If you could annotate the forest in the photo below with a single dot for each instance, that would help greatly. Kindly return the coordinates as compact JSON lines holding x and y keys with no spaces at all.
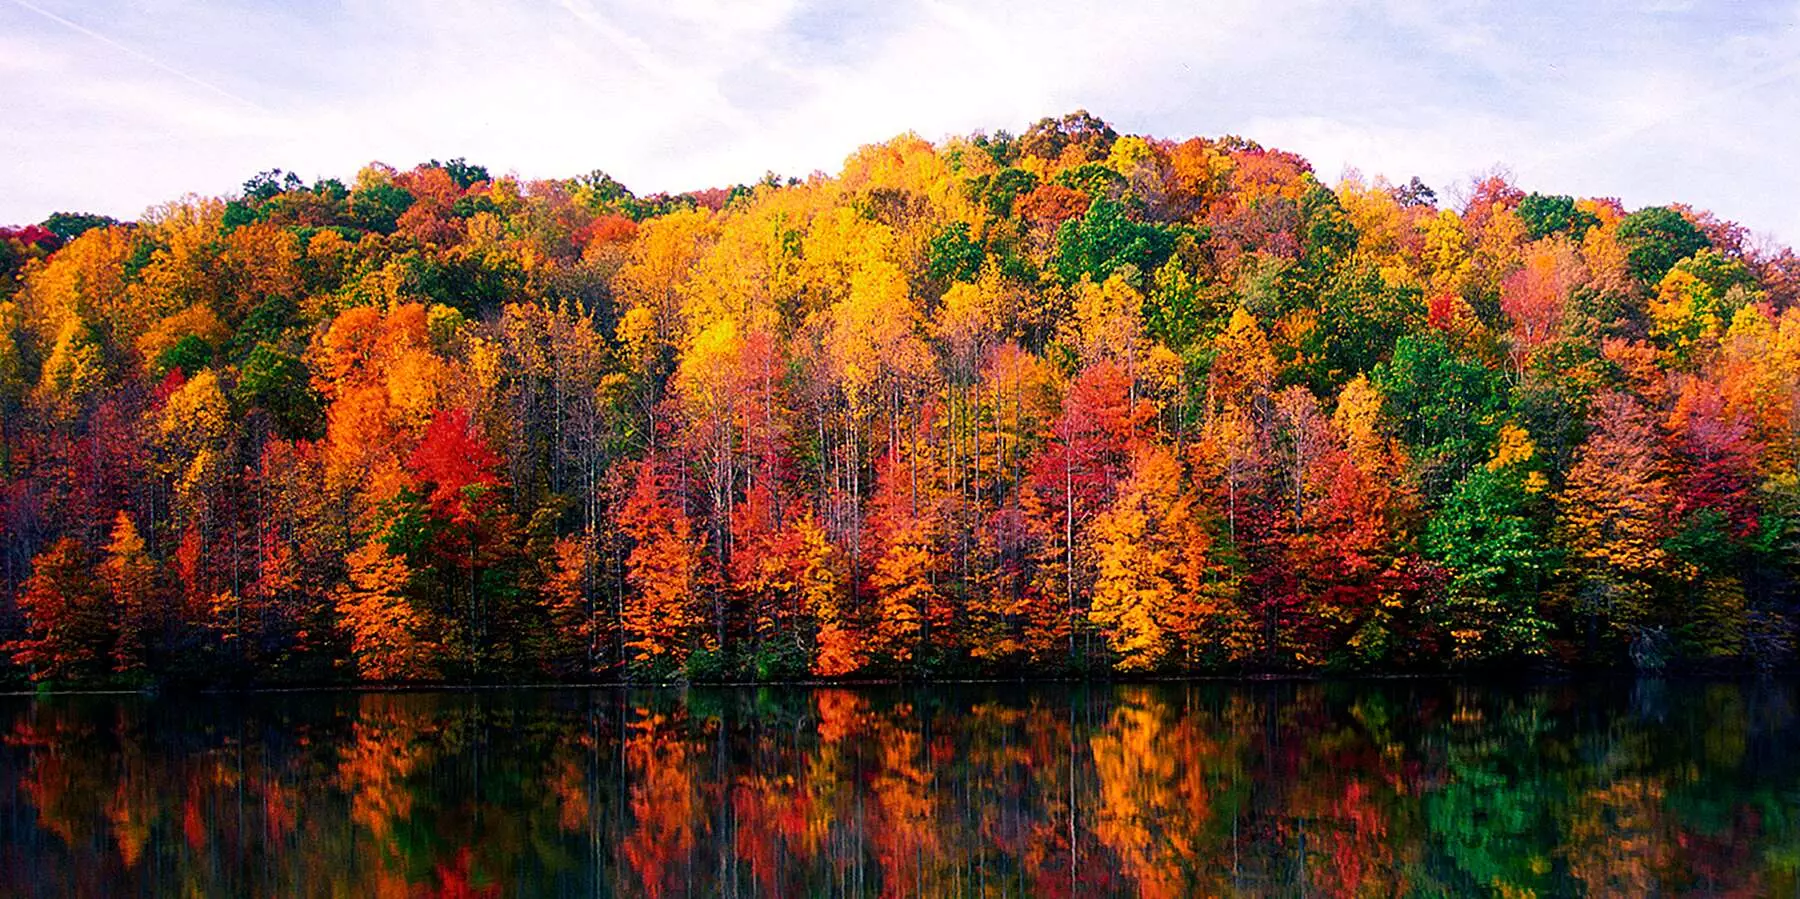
{"x":1068,"y":403}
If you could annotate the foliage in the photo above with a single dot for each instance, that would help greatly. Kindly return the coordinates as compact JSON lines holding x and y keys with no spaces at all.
{"x":1065,"y":403}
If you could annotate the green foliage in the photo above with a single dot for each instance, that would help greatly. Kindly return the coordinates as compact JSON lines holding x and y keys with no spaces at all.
{"x":273,"y":321}
{"x":1655,"y":239}
{"x":190,"y":354}
{"x":378,"y":207}
{"x":1445,"y":406}
{"x":599,"y":192}
{"x":281,"y":384}
{"x":1001,"y":147}
{"x":470,"y":206}
{"x":1547,"y":214}
{"x":1327,"y":235}
{"x":1099,"y":181}
{"x":1720,"y":274}
{"x":462,"y":172}
{"x":1105,"y":240}
{"x":999,"y":191}
{"x":1491,"y":536}
{"x":1359,"y":319}
{"x":704,"y":666}
{"x":1415,"y":193}
{"x":953,"y":255}
{"x":69,"y":225}
{"x":1177,"y":309}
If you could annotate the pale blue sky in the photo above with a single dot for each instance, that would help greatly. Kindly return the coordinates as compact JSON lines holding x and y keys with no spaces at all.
{"x":111,"y":106}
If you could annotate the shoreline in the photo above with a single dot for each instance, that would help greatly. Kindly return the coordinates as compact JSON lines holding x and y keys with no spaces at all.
{"x":1484,"y":679}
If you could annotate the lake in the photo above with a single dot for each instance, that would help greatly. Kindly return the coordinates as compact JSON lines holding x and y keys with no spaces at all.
{"x":1285,"y":788}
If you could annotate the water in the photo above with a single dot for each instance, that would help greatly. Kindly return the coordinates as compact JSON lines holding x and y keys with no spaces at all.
{"x":1367,"y":789}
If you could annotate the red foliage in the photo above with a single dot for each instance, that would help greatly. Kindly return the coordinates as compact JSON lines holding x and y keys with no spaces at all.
{"x":456,"y":464}
{"x":604,"y":230}
{"x":1053,"y":204}
{"x":1717,"y":455}
{"x":1090,"y":445}
{"x":31,"y":235}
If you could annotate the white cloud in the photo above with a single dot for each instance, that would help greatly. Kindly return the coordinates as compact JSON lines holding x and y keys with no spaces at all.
{"x":131,"y":104}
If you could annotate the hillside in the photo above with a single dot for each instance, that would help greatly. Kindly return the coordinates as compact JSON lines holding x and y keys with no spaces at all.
{"x":1066,"y":402}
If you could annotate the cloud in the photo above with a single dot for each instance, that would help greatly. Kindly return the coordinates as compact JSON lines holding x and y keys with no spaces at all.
{"x":126,"y":104}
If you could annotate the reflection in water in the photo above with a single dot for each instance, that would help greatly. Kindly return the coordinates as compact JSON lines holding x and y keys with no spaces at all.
{"x":1163,"y":790}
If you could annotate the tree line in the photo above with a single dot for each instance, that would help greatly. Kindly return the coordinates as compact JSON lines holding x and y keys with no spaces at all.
{"x":1067,"y":402}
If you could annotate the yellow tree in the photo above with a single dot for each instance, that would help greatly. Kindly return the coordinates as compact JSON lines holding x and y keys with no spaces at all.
{"x":1157,"y":587}
{"x":1136,"y":560}
{"x":85,"y":281}
{"x":74,"y":373}
{"x":1244,"y":365}
{"x":662,"y":257}
{"x":195,"y":431}
{"x":130,"y":574}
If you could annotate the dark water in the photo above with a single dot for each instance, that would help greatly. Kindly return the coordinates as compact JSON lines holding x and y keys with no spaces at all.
{"x":1427,"y":788}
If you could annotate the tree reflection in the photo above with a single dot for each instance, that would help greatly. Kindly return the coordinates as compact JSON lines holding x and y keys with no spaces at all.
{"x":1148,"y":790}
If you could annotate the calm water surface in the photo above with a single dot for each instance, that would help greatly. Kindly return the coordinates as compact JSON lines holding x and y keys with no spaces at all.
{"x":1423,"y":788}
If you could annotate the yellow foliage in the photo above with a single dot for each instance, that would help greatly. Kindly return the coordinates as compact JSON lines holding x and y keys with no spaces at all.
{"x":415,"y":385}
{"x":194,"y":321}
{"x":967,"y":318}
{"x":1155,"y":586}
{"x":185,"y":268}
{"x":12,"y":365}
{"x":1243,"y":365}
{"x":1108,"y":323}
{"x":1606,"y":259}
{"x":75,"y":371}
{"x":1383,"y":227}
{"x":1358,"y":418}
{"x":902,"y":583}
{"x":85,"y":281}
{"x":196,"y":416}
{"x":662,"y":258}
{"x":1513,"y":447}
{"x":873,"y":333}
{"x":1446,"y":257}
{"x":1161,"y":372}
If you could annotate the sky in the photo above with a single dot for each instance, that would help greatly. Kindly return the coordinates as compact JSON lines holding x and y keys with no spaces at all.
{"x":115,"y":106}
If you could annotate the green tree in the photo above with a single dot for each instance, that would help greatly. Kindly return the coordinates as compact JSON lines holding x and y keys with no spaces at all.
{"x":953,"y":255}
{"x":1547,"y":214}
{"x":69,"y":225}
{"x":1655,"y":239}
{"x":280,"y":384}
{"x":1491,"y":535}
{"x":1104,"y":241}
{"x":1445,"y":406}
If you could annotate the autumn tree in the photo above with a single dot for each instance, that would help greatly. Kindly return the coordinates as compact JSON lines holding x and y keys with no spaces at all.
{"x":1073,"y":478}
{"x":392,"y":638}
{"x":663,"y":569}
{"x":130,"y":577}
{"x":1159,"y":590}
{"x":1614,"y":514}
{"x":68,"y":618}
